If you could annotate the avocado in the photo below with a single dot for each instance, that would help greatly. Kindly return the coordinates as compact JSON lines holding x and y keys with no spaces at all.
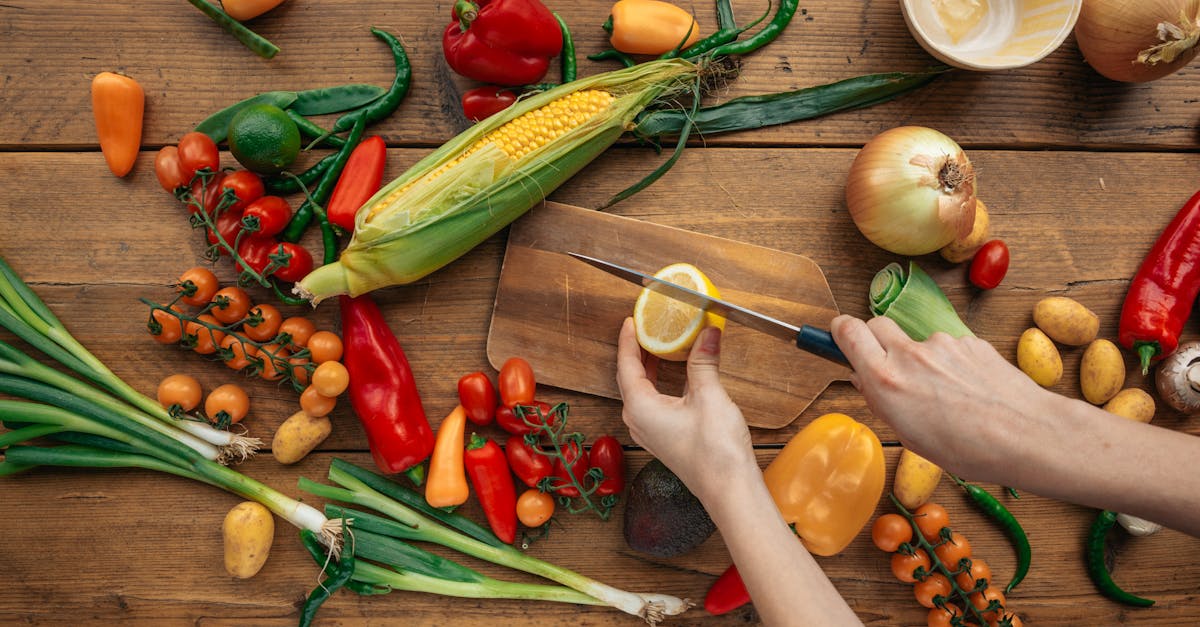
{"x":662,"y":517}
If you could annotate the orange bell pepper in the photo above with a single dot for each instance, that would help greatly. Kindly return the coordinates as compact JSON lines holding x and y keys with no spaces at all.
{"x":118,"y":103}
{"x":651,"y":27}
{"x":447,"y":483}
{"x":827,"y":481}
{"x":242,"y":10}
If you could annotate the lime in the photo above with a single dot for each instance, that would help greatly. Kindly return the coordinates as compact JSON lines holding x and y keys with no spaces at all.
{"x":264,"y":139}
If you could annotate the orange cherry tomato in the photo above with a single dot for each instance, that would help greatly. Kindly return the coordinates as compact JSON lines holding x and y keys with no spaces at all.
{"x":982,"y":599}
{"x":904,"y":565}
{"x":1013,"y":621}
{"x":206,"y":339}
{"x":273,"y":357}
{"x":316,"y":404}
{"x":263,"y":323}
{"x":230,"y":304}
{"x":166,"y":328}
{"x":181,"y":390}
{"x":943,"y":616}
{"x":299,"y":329}
{"x":324,"y":346}
{"x":331,"y":378}
{"x":300,"y":373}
{"x":534,"y":507}
{"x":930,"y":519}
{"x":240,"y":352}
{"x":953,"y":551}
{"x":932,"y":586}
{"x":890,"y":531}
{"x":198,"y":285}
{"x":979,"y":570}
{"x":227,"y":404}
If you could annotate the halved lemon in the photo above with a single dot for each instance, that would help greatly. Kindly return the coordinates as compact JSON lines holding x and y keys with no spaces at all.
{"x":667,"y":327}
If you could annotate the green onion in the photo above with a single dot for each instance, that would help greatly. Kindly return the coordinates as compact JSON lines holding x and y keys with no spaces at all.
{"x":915,"y":302}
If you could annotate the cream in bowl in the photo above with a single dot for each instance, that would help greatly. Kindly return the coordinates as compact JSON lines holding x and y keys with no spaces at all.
{"x":990,"y":34}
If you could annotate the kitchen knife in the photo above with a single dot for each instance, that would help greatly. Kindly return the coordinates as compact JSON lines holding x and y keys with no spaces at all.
{"x":812,"y":339}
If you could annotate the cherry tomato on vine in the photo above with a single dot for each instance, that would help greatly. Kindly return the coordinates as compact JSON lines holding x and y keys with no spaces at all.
{"x":263,"y":323}
{"x":201,"y":282}
{"x":572,"y":464}
{"x":943,"y":616}
{"x":207,"y":339}
{"x":483,"y":102}
{"x":331,"y":378}
{"x":953,"y":550}
{"x":230,"y":400}
{"x":316,"y":404}
{"x":478,"y":397}
{"x":527,"y":464}
{"x":889,"y":531}
{"x":300,"y":370}
{"x":179,"y":389}
{"x":246,"y":185}
{"x":239,"y":352}
{"x":206,"y":196}
{"x":169,"y":170}
{"x":1013,"y":620}
{"x":508,"y":419}
{"x":982,"y":599}
{"x":934,"y":585}
{"x":198,"y":151}
{"x":904,"y":564}
{"x":299,"y":262}
{"x":229,"y":225}
{"x":167,"y":328}
{"x":230,"y":304}
{"x":516,"y":382}
{"x":299,"y":329}
{"x":255,"y":252}
{"x":989,"y":265}
{"x":930,"y":519}
{"x":979,"y":570}
{"x":274,"y":362}
{"x":534,"y":507}
{"x":606,"y":454}
{"x":324,"y":346}
{"x":271,"y":212}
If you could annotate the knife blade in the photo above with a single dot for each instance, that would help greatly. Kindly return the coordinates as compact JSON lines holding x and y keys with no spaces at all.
{"x":814,"y":340}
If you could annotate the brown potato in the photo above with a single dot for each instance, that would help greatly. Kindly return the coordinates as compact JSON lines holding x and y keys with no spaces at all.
{"x":964,"y":248}
{"x":1066,"y":321}
{"x":249,"y":531}
{"x":915,"y":480}
{"x":298,"y":436}
{"x":1038,"y":357}
{"x":1132,"y":403}
{"x":1102,"y":372}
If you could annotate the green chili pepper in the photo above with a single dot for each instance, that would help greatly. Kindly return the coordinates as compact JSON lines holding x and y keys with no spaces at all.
{"x":252,"y":40}
{"x":387,"y":103}
{"x":216,"y":125}
{"x":613,"y":53}
{"x":282,"y":186}
{"x":304,"y":214}
{"x":727,"y":31}
{"x":568,"y":51}
{"x":308,"y":128}
{"x":1098,"y":571}
{"x":787,"y":9}
{"x":337,"y":578}
{"x":336,"y":99}
{"x":1016,"y":534}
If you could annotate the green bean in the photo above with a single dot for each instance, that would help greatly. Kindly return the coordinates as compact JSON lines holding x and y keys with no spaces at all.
{"x":282,"y":186}
{"x":787,"y":9}
{"x":613,"y":53}
{"x":308,"y":128}
{"x":305,"y":213}
{"x":1098,"y":571}
{"x":336,"y":99}
{"x":216,"y":125}
{"x":568,"y":51}
{"x":1016,"y":534}
{"x":252,"y":40}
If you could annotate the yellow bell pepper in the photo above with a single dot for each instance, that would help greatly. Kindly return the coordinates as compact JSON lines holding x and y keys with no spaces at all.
{"x":651,"y":27}
{"x":827,"y":481}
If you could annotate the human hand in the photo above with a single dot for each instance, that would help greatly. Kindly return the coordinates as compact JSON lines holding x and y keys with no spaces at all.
{"x":701,"y":436}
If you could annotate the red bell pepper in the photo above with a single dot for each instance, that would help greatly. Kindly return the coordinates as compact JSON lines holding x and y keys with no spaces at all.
{"x":359,"y":180}
{"x":382,"y":390}
{"x":529,"y":465}
{"x":490,"y":476}
{"x":1161,"y":295}
{"x":484,"y":102}
{"x":727,"y":593}
{"x":503,"y":42}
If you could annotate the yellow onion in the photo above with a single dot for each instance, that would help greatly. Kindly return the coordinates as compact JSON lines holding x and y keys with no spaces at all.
{"x":911,"y":191}
{"x":1138,"y":41}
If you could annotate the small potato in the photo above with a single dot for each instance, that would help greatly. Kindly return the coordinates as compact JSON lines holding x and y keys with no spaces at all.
{"x":1066,"y":321}
{"x":1038,"y":357}
{"x":298,"y":436}
{"x":1132,"y":403}
{"x":249,"y":530}
{"x":1102,"y":372}
{"x":916,"y":479}
{"x":962,"y":249}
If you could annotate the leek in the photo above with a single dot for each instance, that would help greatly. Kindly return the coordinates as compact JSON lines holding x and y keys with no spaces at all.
{"x":915,"y":302}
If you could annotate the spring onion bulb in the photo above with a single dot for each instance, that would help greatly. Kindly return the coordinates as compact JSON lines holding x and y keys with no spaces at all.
{"x":1138,"y":41}
{"x":911,"y":191}
{"x":915,"y":302}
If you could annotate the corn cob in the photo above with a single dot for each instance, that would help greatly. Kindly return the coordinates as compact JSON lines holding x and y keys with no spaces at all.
{"x":488,"y":176}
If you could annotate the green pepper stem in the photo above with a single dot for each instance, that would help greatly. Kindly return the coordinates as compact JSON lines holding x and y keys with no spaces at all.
{"x":467,"y":11}
{"x":1147,"y":351}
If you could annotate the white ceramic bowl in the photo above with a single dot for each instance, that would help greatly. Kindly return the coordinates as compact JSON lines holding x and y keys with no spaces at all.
{"x":1010,"y":33}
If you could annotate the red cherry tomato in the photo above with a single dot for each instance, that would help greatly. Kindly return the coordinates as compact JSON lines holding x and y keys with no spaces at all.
{"x":198,"y":151}
{"x":606,"y":454}
{"x":483,"y":102}
{"x":271,"y":212}
{"x":229,"y":224}
{"x":508,"y":420}
{"x":478,"y":397}
{"x":246,"y":185}
{"x":529,"y":465}
{"x":255,"y":252}
{"x":516,"y":382}
{"x":168,"y":169}
{"x":299,"y":263}
{"x":989,"y":265}
{"x":207,"y":196}
{"x":574,"y":466}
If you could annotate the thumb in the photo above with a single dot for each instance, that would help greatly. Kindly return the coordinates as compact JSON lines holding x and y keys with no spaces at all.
{"x":705,"y":359}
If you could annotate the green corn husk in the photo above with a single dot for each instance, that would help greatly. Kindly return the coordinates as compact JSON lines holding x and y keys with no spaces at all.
{"x":915,"y":302}
{"x":434,"y":222}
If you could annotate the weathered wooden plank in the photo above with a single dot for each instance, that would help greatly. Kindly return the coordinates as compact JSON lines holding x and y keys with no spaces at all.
{"x":189,"y":68}
{"x":107,"y":546}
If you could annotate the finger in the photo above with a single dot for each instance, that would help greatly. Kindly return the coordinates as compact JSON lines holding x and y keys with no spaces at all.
{"x":889,"y":334}
{"x":703,"y":364}
{"x":650,"y":363}
{"x":631,"y":374}
{"x":858,"y":343}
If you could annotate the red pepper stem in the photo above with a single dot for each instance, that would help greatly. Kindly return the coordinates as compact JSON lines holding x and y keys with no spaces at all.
{"x":466,"y":11}
{"x":1146,"y":352}
{"x":477,"y":441}
{"x":416,"y":474}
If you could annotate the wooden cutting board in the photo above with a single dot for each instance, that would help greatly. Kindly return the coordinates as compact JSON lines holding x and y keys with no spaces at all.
{"x":563,"y":315}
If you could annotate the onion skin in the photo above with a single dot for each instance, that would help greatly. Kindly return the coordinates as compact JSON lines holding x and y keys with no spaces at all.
{"x":1113,"y":33}
{"x":911,"y":191}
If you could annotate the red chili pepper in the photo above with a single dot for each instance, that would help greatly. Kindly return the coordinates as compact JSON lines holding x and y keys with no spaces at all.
{"x":727,"y":593}
{"x":1161,"y":295}
{"x":606,"y":454}
{"x":360,"y":179}
{"x":504,"y":42}
{"x":572,"y":454}
{"x":478,"y":397}
{"x":508,"y":419}
{"x":493,"y":485}
{"x":383,"y":391}
{"x":484,"y":102}
{"x":529,"y":465}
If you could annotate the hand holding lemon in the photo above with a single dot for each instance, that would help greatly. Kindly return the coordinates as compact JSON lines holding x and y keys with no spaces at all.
{"x":666,"y":327}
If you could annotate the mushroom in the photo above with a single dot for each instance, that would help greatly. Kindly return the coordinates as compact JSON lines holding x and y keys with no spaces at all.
{"x":1178,"y":379}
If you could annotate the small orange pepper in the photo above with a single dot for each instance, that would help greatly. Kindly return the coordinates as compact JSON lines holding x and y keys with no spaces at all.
{"x":447,"y":482}
{"x":242,"y":10}
{"x":651,"y":27}
{"x":118,"y":103}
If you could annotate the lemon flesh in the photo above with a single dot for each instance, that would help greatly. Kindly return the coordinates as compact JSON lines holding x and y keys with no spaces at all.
{"x":666,"y":327}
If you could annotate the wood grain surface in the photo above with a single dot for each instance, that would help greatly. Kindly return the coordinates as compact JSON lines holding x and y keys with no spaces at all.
{"x":1080,"y":174}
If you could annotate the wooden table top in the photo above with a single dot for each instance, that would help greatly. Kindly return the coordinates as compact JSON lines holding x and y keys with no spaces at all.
{"x":1080,"y":175}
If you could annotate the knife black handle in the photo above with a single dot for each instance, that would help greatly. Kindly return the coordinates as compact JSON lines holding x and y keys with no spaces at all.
{"x":820,"y":343}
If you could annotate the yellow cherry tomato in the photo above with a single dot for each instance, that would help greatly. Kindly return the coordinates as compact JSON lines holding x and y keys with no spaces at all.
{"x":228,"y":403}
{"x":181,"y":390}
{"x":331,"y":378}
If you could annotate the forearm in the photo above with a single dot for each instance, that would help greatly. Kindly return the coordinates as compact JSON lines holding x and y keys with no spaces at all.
{"x":787,"y":585}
